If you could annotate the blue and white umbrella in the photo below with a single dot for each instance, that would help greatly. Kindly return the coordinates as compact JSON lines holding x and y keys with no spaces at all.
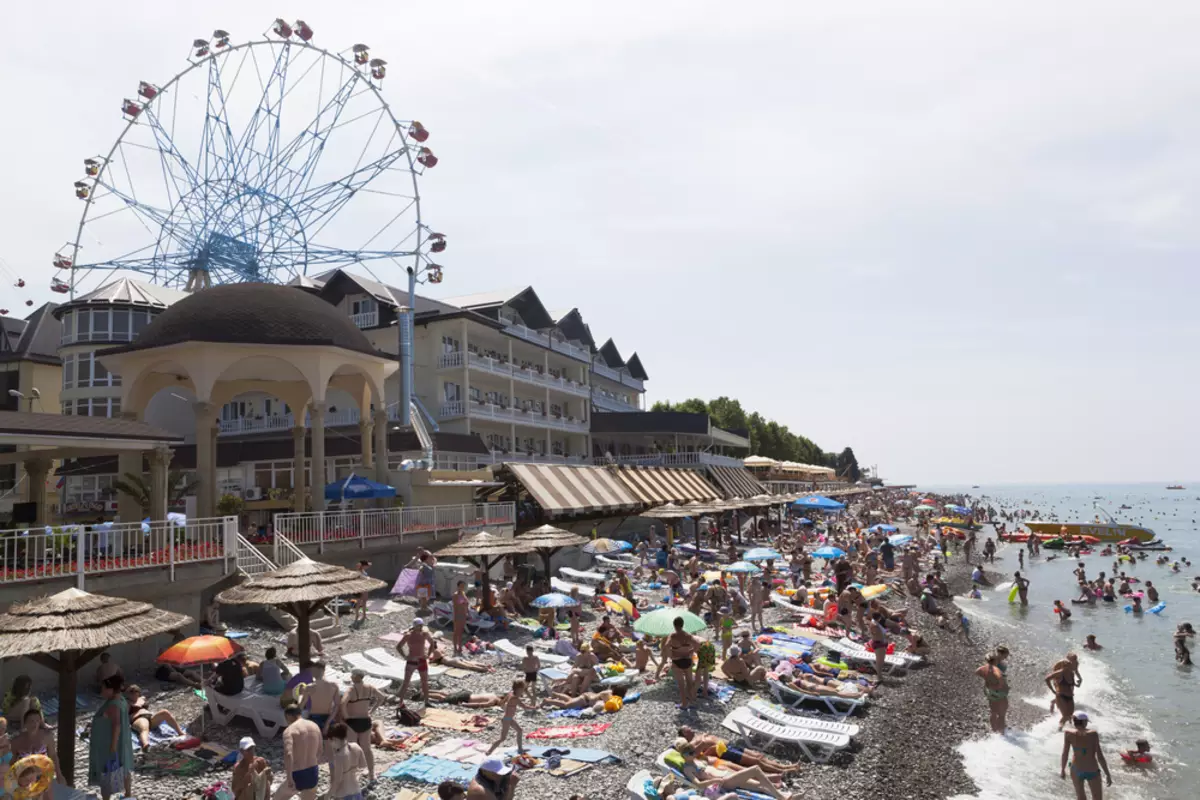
{"x":881,"y":528}
{"x":607,"y":546}
{"x":829,"y":552}
{"x":805,"y":521}
{"x":818,"y":502}
{"x":742,"y":567}
{"x":555,"y":600}
{"x":959,"y":509}
{"x":761,"y":554}
{"x":899,"y":539}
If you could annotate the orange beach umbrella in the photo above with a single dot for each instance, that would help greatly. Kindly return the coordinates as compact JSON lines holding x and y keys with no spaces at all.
{"x":196,"y":651}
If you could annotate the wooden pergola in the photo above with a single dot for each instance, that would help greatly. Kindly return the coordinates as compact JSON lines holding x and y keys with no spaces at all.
{"x":485,"y":550}
{"x":64,"y":631}
{"x":300,"y":589}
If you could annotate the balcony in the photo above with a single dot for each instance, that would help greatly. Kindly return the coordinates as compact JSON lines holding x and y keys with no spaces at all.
{"x":600,"y":368}
{"x":607,"y":403}
{"x":506,"y":369}
{"x":536,"y":458}
{"x":320,"y":529}
{"x":695,"y":459}
{"x":633,"y":383}
{"x":528,"y":334}
{"x":509,"y":415}
{"x":285,"y":422}
{"x":367,"y":319}
{"x":574,"y":351}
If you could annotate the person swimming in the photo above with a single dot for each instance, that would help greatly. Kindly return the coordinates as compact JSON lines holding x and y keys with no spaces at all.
{"x":1091,"y":643}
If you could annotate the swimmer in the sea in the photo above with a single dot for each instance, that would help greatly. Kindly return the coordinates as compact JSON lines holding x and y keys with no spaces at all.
{"x":1091,"y":643}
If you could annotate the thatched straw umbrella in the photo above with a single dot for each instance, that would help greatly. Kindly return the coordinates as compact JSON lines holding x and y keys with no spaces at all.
{"x":77,"y":627}
{"x":484,"y":550}
{"x":549,"y":540}
{"x":300,"y":589}
{"x":666,"y":512}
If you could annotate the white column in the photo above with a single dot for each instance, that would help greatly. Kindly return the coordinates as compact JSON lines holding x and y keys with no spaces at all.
{"x":317,"y":494}
{"x":298,"y":456}
{"x":36,"y":471}
{"x":206,"y":457}
{"x":381,"y":446}
{"x":160,"y":462}
{"x":365,"y":439}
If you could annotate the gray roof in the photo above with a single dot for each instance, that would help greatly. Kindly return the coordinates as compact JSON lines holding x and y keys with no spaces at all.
{"x":126,"y":291}
{"x":39,"y":337}
{"x":484,"y":299}
{"x":37,"y":424}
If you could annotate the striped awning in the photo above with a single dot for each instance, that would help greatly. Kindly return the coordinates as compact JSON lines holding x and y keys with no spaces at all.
{"x":735,"y":482}
{"x":658,"y":485}
{"x":563,"y":490}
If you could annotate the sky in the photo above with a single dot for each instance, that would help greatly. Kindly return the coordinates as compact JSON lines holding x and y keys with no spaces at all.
{"x":958,"y":237}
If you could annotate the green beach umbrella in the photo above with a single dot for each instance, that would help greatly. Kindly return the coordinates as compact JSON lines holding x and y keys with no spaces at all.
{"x":662,"y":622}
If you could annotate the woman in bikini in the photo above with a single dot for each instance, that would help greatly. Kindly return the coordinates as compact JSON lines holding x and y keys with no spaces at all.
{"x":701,"y":776}
{"x":509,"y":721}
{"x":1087,"y":760}
{"x":1062,"y":681}
{"x":679,"y":648}
{"x":585,"y":700}
{"x":143,"y":720}
{"x":35,"y":739}
{"x":357,"y":705}
{"x":879,"y":642}
{"x":995,"y":689}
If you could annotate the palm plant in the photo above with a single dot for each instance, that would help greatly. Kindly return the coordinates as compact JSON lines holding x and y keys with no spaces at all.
{"x":179,"y":486}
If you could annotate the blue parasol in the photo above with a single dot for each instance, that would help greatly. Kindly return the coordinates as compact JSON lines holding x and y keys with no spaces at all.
{"x":959,"y":509}
{"x":357,"y":487}
{"x":555,"y":600}
{"x":819,"y":502}
{"x":900,"y":538}
{"x":805,"y":521}
{"x":828,"y":552}
{"x":742,"y":567}
{"x":881,"y":528}
{"x":762,"y":554}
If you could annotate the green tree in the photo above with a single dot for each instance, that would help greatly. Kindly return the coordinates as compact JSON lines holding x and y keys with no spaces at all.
{"x":847,"y":465}
{"x":137,"y":487}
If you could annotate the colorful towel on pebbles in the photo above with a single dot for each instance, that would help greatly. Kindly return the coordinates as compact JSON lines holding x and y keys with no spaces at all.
{"x":464,"y":751}
{"x":721,"y":692}
{"x":570,"y":731}
{"x":572,"y":713}
{"x":453,"y":721}
{"x":574,"y":753}
{"x":428,"y":769}
{"x":161,"y":735}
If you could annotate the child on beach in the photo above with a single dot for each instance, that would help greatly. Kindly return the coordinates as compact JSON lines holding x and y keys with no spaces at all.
{"x":509,"y":720}
{"x":964,"y":627}
{"x":642,"y":655}
{"x":1140,"y":756}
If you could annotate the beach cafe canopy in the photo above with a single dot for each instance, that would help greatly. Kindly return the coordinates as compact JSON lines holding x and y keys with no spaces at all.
{"x":759,"y":461}
{"x":484,"y":550}
{"x":300,"y":589}
{"x":356,"y":487}
{"x":549,"y":540}
{"x":65,"y":631}
{"x":818,"y":502}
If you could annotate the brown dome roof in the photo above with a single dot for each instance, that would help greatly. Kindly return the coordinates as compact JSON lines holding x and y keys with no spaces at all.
{"x":252,"y":313}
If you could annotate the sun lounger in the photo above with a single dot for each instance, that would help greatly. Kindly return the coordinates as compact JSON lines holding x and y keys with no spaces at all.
{"x":855,"y":653}
{"x":786,"y":604}
{"x":385,"y":658}
{"x":559,"y":585}
{"x":261,"y":709}
{"x":373,"y":668}
{"x":817,"y":746}
{"x":840,"y":707}
{"x":636,"y":788}
{"x":615,"y":562}
{"x":507,"y":650}
{"x":443,"y":616}
{"x":781,"y":716}
{"x":580,"y":576}
{"x":907,"y":657}
{"x":745,"y":794}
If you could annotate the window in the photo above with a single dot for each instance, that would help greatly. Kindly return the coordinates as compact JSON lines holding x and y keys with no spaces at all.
{"x":450,"y":344}
{"x":140,"y":317}
{"x":476,"y":394}
{"x":83,"y":325}
{"x":84,"y":370}
{"x":68,"y":326}
{"x":68,"y":408}
{"x":451,"y":391}
{"x":120,"y":324}
{"x":100,"y":329}
{"x":68,"y":372}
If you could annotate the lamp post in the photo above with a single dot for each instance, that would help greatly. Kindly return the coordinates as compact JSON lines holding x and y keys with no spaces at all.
{"x":34,"y":394}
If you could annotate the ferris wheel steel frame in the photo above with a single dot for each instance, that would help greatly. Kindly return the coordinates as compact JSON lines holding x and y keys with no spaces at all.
{"x":232,"y":174}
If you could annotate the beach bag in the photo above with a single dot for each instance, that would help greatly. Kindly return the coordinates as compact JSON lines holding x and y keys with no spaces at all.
{"x":408,"y":717}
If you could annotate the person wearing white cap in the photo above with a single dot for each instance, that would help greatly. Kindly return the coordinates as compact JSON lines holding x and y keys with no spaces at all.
{"x":414,"y":648}
{"x":251,"y":775}
{"x":494,"y":781}
{"x":1087,"y":759}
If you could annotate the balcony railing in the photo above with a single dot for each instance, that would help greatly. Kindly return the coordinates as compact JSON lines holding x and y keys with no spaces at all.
{"x":77,"y":337}
{"x":283,"y":422}
{"x":319,"y":528}
{"x":633,"y":383}
{"x":455,"y":409}
{"x":608,"y":372}
{"x":536,"y":458}
{"x":612,"y":403}
{"x":121,"y":547}
{"x":507,"y":369}
{"x":367,"y":319}
{"x":574,"y":351}
{"x":784,"y":487}
{"x":694,"y":459}
{"x":528,"y":334}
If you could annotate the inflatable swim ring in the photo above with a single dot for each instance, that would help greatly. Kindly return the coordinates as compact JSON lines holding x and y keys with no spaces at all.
{"x":825,"y":662}
{"x":1157,"y":608}
{"x":45,"y":774}
{"x":1137,"y":758}
{"x":1012,"y":595}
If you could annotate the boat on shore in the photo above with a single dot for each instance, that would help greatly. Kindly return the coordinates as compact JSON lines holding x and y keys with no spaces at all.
{"x":960,"y":523}
{"x":1110,"y":531}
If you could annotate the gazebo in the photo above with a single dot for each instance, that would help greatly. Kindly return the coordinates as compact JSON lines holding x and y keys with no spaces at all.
{"x":300,"y":589}
{"x":485,"y":550}
{"x":549,"y":540}
{"x":65,"y":631}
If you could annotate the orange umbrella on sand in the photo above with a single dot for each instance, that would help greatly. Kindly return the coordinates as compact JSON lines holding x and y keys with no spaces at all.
{"x":196,"y":651}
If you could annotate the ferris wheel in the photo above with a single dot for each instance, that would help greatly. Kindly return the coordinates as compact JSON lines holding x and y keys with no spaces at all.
{"x":262,"y":161}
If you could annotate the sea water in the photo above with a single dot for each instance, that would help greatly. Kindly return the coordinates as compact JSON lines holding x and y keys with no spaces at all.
{"x":1131,"y":689}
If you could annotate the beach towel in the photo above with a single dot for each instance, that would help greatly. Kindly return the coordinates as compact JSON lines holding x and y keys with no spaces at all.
{"x":236,"y":634}
{"x":432,"y":770}
{"x":570,"y":731}
{"x":567,"y":767}
{"x":171,"y":762}
{"x":719,"y":691}
{"x":567,"y":712}
{"x":412,"y":794}
{"x":453,"y":721}
{"x":161,"y":735}
{"x":456,"y":672}
{"x":406,"y":583}
{"x":50,"y":703}
{"x":405,"y":740}
{"x":464,"y":751}
{"x":574,"y":753}
{"x":383,"y":606}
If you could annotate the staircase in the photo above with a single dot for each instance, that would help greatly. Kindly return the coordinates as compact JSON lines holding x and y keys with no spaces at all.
{"x":252,"y":563}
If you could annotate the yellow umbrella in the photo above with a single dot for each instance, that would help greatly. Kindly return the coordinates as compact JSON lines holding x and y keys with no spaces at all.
{"x":617,"y":603}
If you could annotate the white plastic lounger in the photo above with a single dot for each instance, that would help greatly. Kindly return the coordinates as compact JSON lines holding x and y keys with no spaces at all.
{"x":907,"y":657}
{"x":506,"y":648}
{"x":791,"y":607}
{"x":614,"y":562}
{"x":559,"y":585}
{"x":861,"y":655}
{"x":261,"y":709}
{"x":395,"y":662}
{"x":817,"y":746}
{"x":580,"y":576}
{"x":636,"y":788}
{"x":781,"y":716}
{"x":373,"y":668}
{"x":840,"y":707}
{"x":443,"y":616}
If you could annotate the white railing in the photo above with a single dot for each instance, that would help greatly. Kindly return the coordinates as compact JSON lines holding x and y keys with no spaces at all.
{"x":528,"y":334}
{"x":574,"y":351}
{"x":785,"y":487}
{"x":601,"y":368}
{"x":367,"y":319}
{"x":284,"y":422}
{"x":250,"y":561}
{"x":70,"y":550}
{"x":612,"y":403}
{"x":492,"y":411}
{"x":318,"y":528}
{"x":455,"y":409}
{"x":286,"y":551}
{"x":632,"y":382}
{"x":537,"y":458}
{"x":694,"y":459}
{"x":96,"y":336}
{"x":562,"y":384}
{"x":461,"y":462}
{"x":450,"y":360}
{"x":507,"y":369}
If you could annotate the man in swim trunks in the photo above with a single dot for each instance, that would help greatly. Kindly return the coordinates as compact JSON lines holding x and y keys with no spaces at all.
{"x":412,"y":648}
{"x":715,"y":747}
{"x":323,"y":697}
{"x":1088,"y":759}
{"x":1062,"y":681}
{"x":302,"y":747}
